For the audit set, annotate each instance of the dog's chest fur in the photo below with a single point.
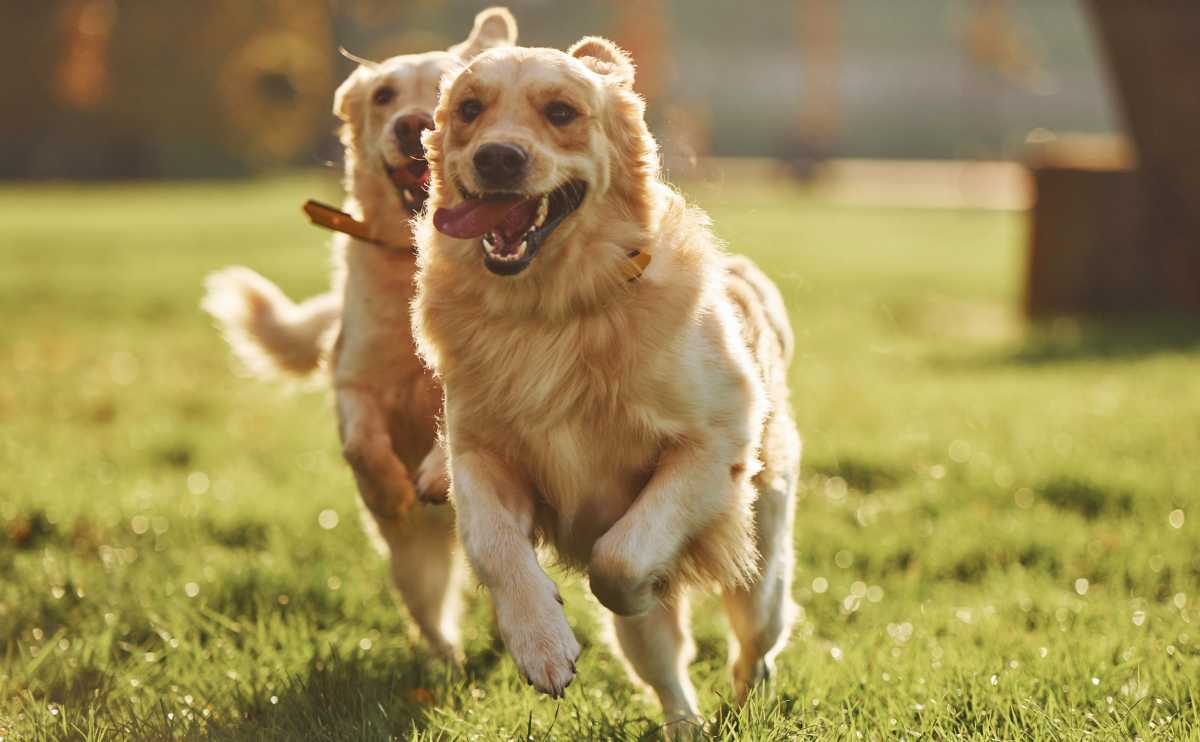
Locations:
(582, 413)
(579, 493)
(376, 349)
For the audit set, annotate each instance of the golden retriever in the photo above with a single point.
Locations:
(387, 403)
(635, 418)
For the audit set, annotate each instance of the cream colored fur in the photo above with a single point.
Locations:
(269, 333)
(642, 430)
(387, 403)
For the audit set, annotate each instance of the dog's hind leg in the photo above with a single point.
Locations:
(428, 572)
(658, 647)
(761, 613)
(383, 479)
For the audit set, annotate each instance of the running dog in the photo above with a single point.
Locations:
(387, 403)
(615, 382)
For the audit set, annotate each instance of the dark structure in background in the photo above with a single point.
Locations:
(110, 88)
(101, 89)
(1113, 233)
(228, 87)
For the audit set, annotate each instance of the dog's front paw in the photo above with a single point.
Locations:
(433, 481)
(541, 643)
(618, 582)
(750, 672)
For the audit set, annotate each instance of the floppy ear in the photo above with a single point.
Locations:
(345, 100)
(493, 27)
(604, 58)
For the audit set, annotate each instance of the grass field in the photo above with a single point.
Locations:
(996, 539)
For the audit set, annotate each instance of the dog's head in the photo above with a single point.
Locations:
(538, 148)
(386, 106)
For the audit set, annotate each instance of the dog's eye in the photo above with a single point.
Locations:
(383, 96)
(469, 110)
(560, 114)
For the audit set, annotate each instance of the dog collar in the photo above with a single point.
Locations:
(635, 265)
(324, 215)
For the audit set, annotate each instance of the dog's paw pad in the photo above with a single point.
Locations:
(546, 658)
(433, 499)
(432, 484)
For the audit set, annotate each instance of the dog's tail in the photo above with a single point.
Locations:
(268, 332)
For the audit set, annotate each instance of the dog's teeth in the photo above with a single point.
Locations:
(511, 253)
(543, 210)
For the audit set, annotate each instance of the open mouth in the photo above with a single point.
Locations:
(411, 182)
(513, 227)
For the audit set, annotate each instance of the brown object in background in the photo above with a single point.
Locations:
(641, 29)
(819, 35)
(1107, 240)
(995, 41)
(110, 89)
(1085, 245)
(83, 73)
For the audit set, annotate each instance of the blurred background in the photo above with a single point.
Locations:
(837, 93)
(984, 218)
(226, 87)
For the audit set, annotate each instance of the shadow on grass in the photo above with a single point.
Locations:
(1066, 340)
(362, 697)
(336, 698)
(342, 697)
(1070, 340)
(1087, 498)
(861, 475)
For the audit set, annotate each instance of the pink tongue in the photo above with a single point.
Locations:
(476, 216)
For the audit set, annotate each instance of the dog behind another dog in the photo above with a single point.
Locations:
(633, 416)
(387, 403)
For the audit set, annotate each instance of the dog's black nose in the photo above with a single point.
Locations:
(501, 165)
(408, 133)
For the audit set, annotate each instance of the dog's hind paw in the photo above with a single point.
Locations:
(433, 481)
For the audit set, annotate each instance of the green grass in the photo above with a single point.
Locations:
(163, 572)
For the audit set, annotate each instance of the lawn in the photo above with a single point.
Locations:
(996, 536)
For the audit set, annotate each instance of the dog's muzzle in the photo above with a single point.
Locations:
(411, 178)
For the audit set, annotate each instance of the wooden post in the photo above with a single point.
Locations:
(1086, 252)
(1153, 59)
(1130, 241)
(1107, 237)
